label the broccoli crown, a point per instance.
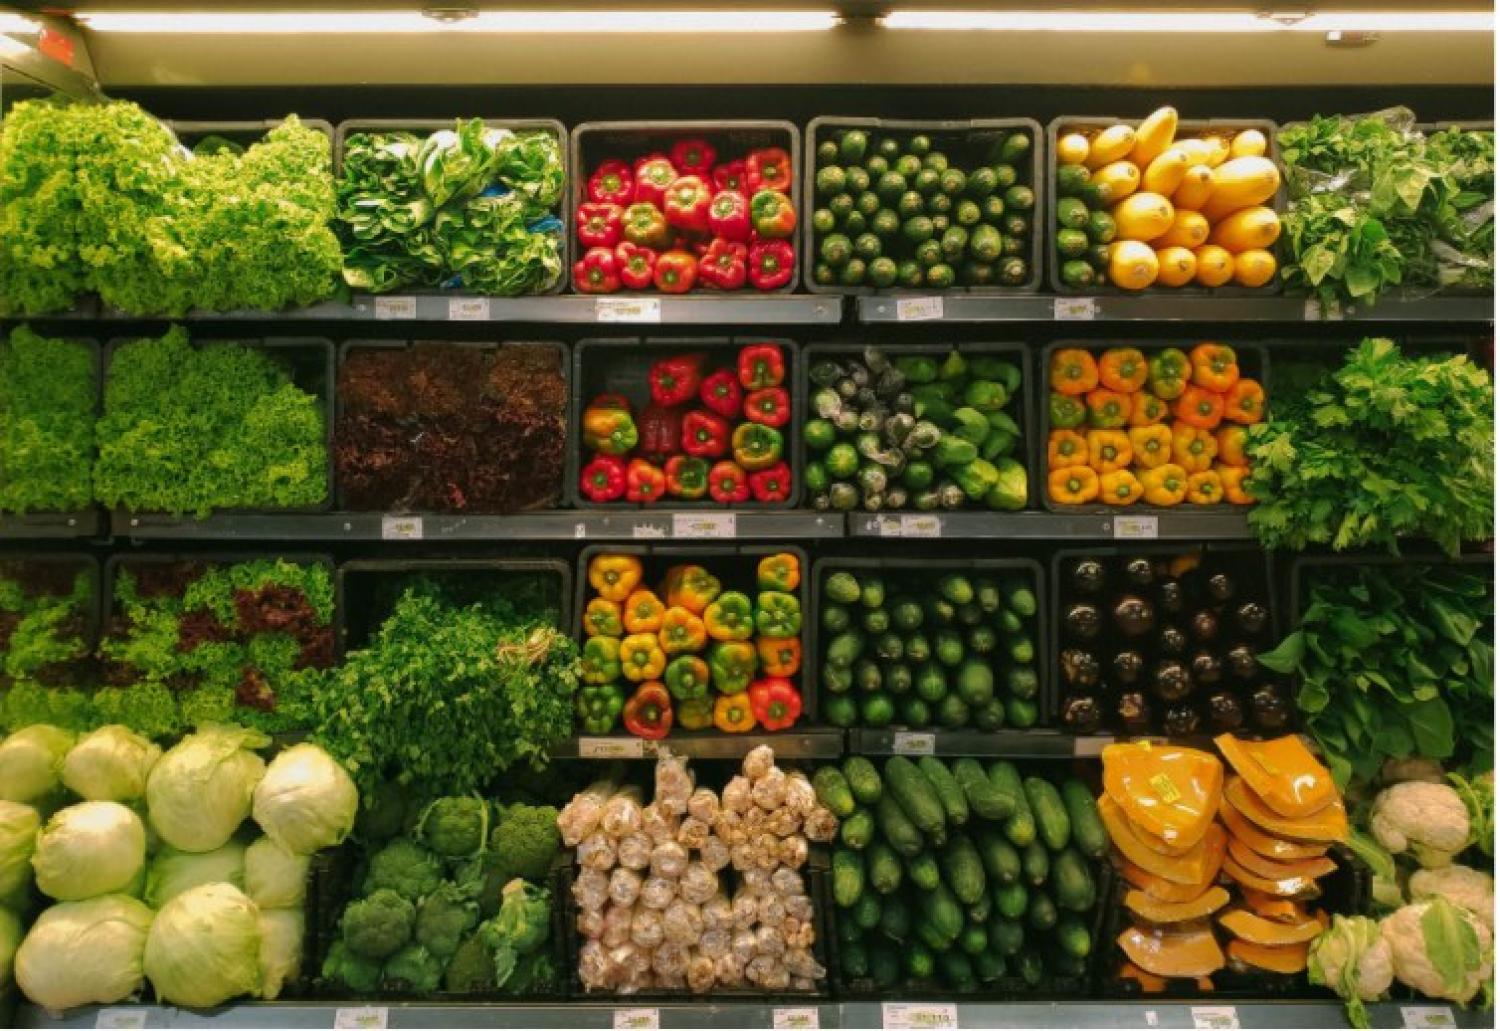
(406, 868)
(383, 812)
(444, 917)
(349, 968)
(525, 843)
(376, 926)
(472, 968)
(534, 974)
(413, 969)
(455, 826)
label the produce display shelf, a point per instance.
(1159, 308)
(1031, 743)
(1218, 523)
(798, 743)
(51, 525)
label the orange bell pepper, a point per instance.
(1073, 371)
(1074, 485)
(1205, 488)
(778, 572)
(691, 588)
(1109, 450)
(1199, 407)
(681, 632)
(1232, 477)
(1245, 403)
(1215, 366)
(642, 612)
(733, 714)
(1065, 448)
(1120, 488)
(779, 656)
(1123, 369)
(1232, 440)
(1152, 445)
(1147, 409)
(1192, 448)
(601, 618)
(614, 576)
(1108, 409)
(1165, 485)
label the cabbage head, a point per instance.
(88, 849)
(280, 949)
(204, 947)
(274, 877)
(305, 801)
(110, 765)
(84, 952)
(172, 872)
(199, 792)
(18, 826)
(10, 941)
(30, 760)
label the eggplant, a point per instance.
(1269, 708)
(1204, 626)
(1080, 669)
(1134, 712)
(1138, 572)
(1207, 668)
(1088, 577)
(1181, 720)
(1241, 662)
(1224, 712)
(1083, 621)
(1220, 587)
(1134, 616)
(1172, 641)
(1127, 667)
(1252, 617)
(1081, 714)
(1170, 681)
(1169, 597)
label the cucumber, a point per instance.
(1073, 936)
(866, 911)
(957, 971)
(1002, 863)
(1020, 828)
(974, 940)
(963, 869)
(895, 918)
(1072, 881)
(919, 960)
(916, 796)
(883, 868)
(1083, 814)
(1029, 966)
(1011, 899)
(847, 929)
(1070, 966)
(899, 832)
(980, 911)
(955, 805)
(854, 960)
(1034, 863)
(863, 779)
(989, 966)
(943, 912)
(833, 791)
(1006, 935)
(1051, 815)
(858, 829)
(924, 871)
(848, 877)
(885, 966)
(984, 798)
(1019, 597)
(1041, 914)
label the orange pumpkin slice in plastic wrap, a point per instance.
(1286, 887)
(1282, 773)
(1327, 824)
(1154, 911)
(1159, 888)
(1258, 930)
(1197, 867)
(1275, 870)
(1272, 848)
(1270, 907)
(1169, 792)
(1278, 959)
(1150, 983)
(1179, 953)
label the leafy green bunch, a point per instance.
(471, 207)
(48, 391)
(1382, 448)
(190, 429)
(47, 628)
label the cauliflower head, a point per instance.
(1440, 950)
(378, 925)
(1354, 960)
(456, 826)
(406, 868)
(1428, 820)
(1463, 886)
(444, 917)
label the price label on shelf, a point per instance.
(389, 308)
(1313, 311)
(1219, 1018)
(1074, 309)
(921, 526)
(910, 742)
(1135, 528)
(1427, 1016)
(611, 748)
(627, 309)
(703, 524)
(468, 309)
(362, 1018)
(1090, 747)
(794, 1018)
(925, 1016)
(400, 528)
(128, 1017)
(918, 309)
(648, 531)
(637, 1020)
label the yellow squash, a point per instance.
(1193, 953)
(1142, 216)
(1189, 229)
(1109, 145)
(1132, 264)
(1154, 135)
(1250, 143)
(1116, 181)
(1254, 267)
(1073, 148)
(1215, 265)
(1165, 173)
(1241, 183)
(1196, 187)
(1247, 228)
(1176, 266)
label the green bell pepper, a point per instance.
(598, 707)
(1065, 412)
(970, 424)
(976, 479)
(954, 451)
(601, 660)
(1167, 373)
(778, 614)
(697, 714)
(986, 395)
(730, 617)
(918, 369)
(731, 665)
(1009, 491)
(687, 678)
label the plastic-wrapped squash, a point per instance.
(1154, 911)
(1287, 887)
(1169, 792)
(1282, 772)
(1243, 830)
(1327, 824)
(1277, 870)
(1161, 889)
(1196, 867)
(1257, 930)
(1278, 959)
(1187, 953)
(1270, 907)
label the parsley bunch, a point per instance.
(48, 393)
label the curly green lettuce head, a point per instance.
(455, 826)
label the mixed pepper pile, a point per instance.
(690, 653)
(1163, 430)
(715, 434)
(683, 219)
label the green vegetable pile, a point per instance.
(191, 429)
(48, 392)
(99, 198)
(42, 607)
(928, 648)
(1376, 205)
(1383, 448)
(1395, 661)
(969, 876)
(471, 208)
(918, 432)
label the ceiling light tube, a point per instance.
(1190, 21)
(18, 24)
(541, 22)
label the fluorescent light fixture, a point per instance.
(542, 22)
(15, 23)
(1192, 21)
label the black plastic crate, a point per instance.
(244, 133)
(1254, 362)
(1028, 568)
(310, 363)
(1186, 128)
(965, 136)
(565, 366)
(593, 142)
(97, 352)
(23, 564)
(1030, 398)
(621, 365)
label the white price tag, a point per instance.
(1427, 1016)
(580, 531)
(648, 531)
(1220, 1018)
(918, 309)
(703, 524)
(637, 1020)
(921, 526)
(1090, 747)
(911, 742)
(128, 1017)
(627, 309)
(387, 308)
(468, 309)
(1135, 528)
(1074, 309)
(362, 1018)
(927, 1016)
(1152, 1020)
(611, 748)
(794, 1018)
(400, 528)
(1313, 311)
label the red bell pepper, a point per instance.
(653, 174)
(644, 481)
(769, 168)
(595, 272)
(773, 484)
(675, 380)
(648, 712)
(686, 204)
(599, 224)
(729, 216)
(661, 432)
(687, 477)
(612, 183)
(704, 435)
(721, 393)
(693, 156)
(676, 272)
(776, 702)
(731, 176)
(645, 226)
(603, 479)
(728, 484)
(760, 366)
(723, 265)
(769, 406)
(771, 264)
(772, 215)
(636, 265)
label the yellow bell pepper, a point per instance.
(1232, 441)
(1147, 409)
(1120, 488)
(1192, 448)
(1065, 448)
(1165, 485)
(614, 576)
(1152, 445)
(1205, 488)
(681, 632)
(1073, 485)
(732, 713)
(1233, 479)
(642, 613)
(601, 618)
(691, 587)
(778, 572)
(641, 657)
(1109, 450)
